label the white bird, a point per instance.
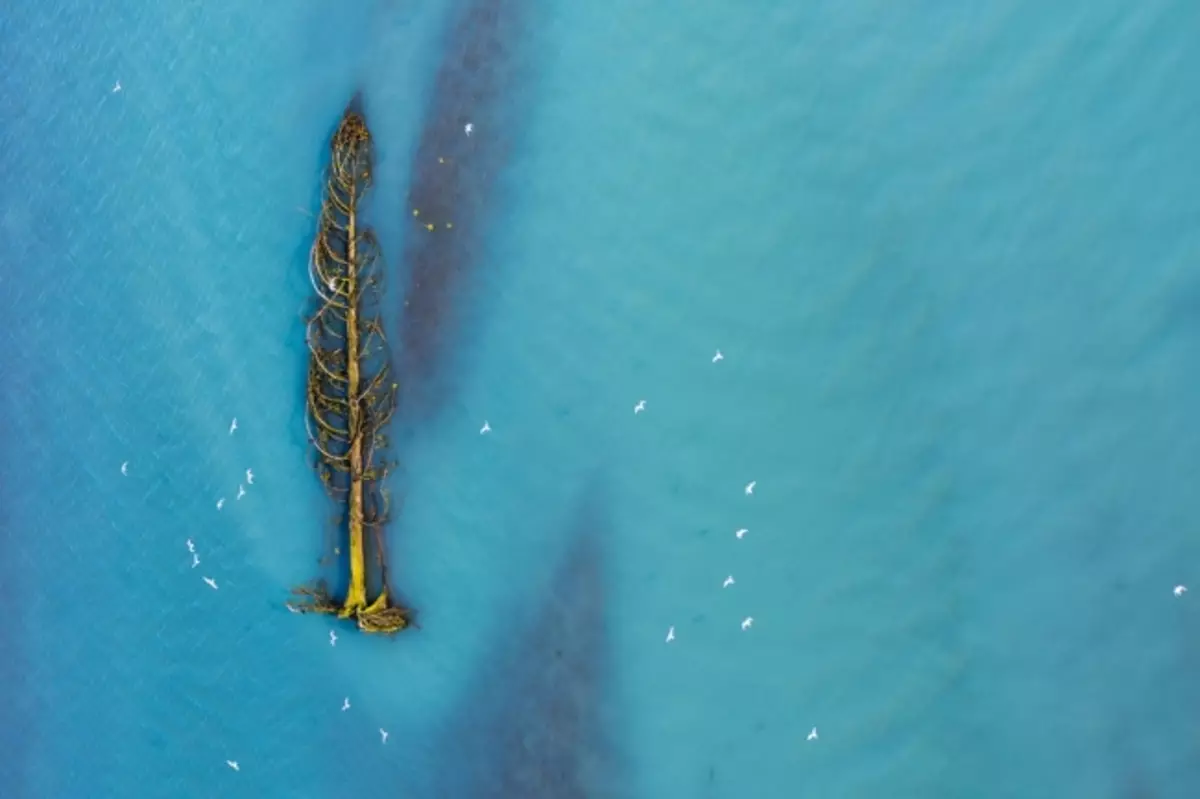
(1180, 590)
(346, 703)
(467, 128)
(211, 582)
(332, 638)
(249, 477)
(292, 608)
(233, 425)
(116, 87)
(741, 533)
(125, 469)
(670, 635)
(750, 487)
(812, 736)
(232, 764)
(747, 622)
(241, 492)
(641, 406)
(195, 560)
(191, 547)
(728, 582)
(718, 357)
(487, 428)
(383, 734)
(220, 503)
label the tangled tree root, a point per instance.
(350, 395)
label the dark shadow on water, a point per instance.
(534, 725)
(453, 189)
(15, 732)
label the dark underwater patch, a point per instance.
(534, 724)
(452, 193)
(15, 732)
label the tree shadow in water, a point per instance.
(452, 189)
(534, 725)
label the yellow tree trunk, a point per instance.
(356, 596)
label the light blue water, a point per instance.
(952, 260)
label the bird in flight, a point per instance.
(670, 635)
(728, 582)
(249, 477)
(125, 469)
(747, 622)
(191, 547)
(196, 561)
(1180, 590)
(750, 487)
(468, 128)
(116, 87)
(812, 736)
(220, 503)
(741, 533)
(718, 357)
(383, 734)
(346, 703)
(332, 638)
(641, 406)
(241, 492)
(211, 582)
(487, 428)
(233, 425)
(233, 764)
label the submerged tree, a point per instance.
(351, 397)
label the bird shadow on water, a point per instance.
(533, 724)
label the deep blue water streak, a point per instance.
(950, 256)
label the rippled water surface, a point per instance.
(949, 252)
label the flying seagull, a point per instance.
(750, 487)
(747, 622)
(670, 635)
(718, 357)
(641, 406)
(233, 425)
(211, 582)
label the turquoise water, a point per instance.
(951, 257)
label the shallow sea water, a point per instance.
(951, 257)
